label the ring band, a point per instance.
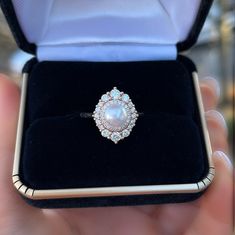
(90, 115)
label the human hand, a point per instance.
(209, 215)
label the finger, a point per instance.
(17, 217)
(208, 215)
(217, 130)
(9, 104)
(216, 204)
(210, 91)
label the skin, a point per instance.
(211, 214)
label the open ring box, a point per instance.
(82, 50)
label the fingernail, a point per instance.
(214, 83)
(227, 160)
(218, 116)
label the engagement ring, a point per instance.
(115, 115)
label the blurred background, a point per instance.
(213, 55)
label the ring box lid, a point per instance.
(49, 24)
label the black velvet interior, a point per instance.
(63, 150)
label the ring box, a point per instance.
(82, 50)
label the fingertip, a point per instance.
(3, 76)
(7, 81)
(222, 160)
(210, 92)
(217, 118)
(9, 94)
(9, 105)
(213, 83)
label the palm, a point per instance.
(211, 214)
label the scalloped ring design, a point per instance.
(115, 115)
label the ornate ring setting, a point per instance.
(115, 115)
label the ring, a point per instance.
(115, 115)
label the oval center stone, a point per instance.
(116, 115)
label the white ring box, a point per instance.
(78, 35)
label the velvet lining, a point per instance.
(24, 44)
(63, 150)
(108, 31)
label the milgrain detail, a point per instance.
(203, 184)
(110, 191)
(24, 190)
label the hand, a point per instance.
(209, 215)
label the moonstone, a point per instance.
(116, 115)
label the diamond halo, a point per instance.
(115, 115)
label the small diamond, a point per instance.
(125, 133)
(115, 93)
(98, 122)
(105, 133)
(105, 98)
(115, 137)
(133, 110)
(96, 115)
(125, 98)
(134, 115)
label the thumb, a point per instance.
(9, 105)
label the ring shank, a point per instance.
(90, 115)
